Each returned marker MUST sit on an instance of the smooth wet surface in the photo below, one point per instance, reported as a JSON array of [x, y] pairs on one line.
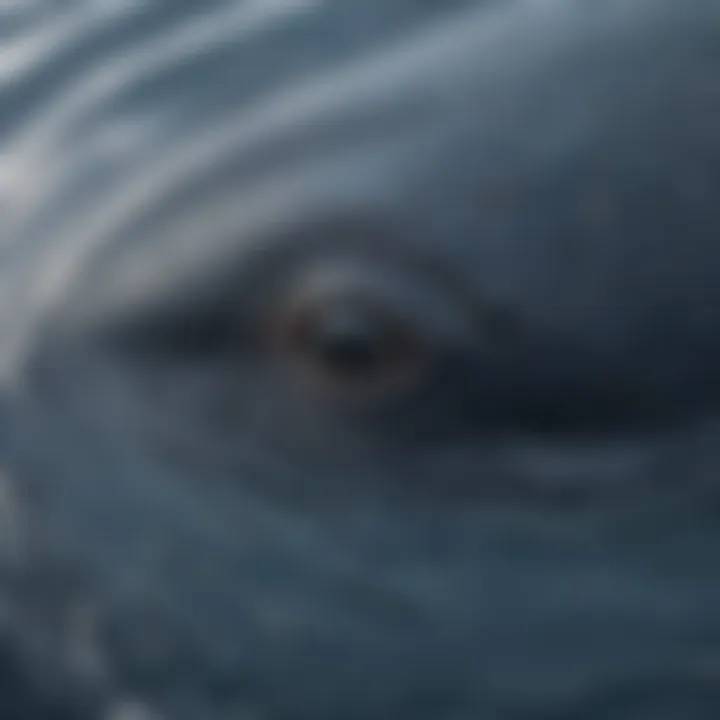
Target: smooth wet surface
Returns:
[[358, 360]]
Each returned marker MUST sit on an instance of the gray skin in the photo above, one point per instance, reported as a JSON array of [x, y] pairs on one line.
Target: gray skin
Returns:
[[513, 512]]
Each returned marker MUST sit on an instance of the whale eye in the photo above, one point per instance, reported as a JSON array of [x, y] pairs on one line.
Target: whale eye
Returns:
[[352, 332], [350, 343]]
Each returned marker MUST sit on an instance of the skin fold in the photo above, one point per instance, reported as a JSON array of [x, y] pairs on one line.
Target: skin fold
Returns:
[[504, 504]]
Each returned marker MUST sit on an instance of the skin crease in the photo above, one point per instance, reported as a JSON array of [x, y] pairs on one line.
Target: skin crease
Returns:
[[519, 521]]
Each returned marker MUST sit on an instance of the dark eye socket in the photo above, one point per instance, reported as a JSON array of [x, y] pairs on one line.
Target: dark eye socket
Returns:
[[293, 327], [344, 328]]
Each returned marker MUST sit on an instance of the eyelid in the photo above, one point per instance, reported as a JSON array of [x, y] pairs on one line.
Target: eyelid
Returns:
[[429, 309]]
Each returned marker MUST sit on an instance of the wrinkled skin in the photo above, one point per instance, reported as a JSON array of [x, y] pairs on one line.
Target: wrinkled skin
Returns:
[[521, 520]]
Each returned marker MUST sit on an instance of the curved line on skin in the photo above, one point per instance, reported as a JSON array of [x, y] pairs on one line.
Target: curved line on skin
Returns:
[[28, 54], [32, 146], [364, 84], [152, 58]]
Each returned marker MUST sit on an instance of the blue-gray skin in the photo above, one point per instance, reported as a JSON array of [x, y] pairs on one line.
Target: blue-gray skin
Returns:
[[502, 501]]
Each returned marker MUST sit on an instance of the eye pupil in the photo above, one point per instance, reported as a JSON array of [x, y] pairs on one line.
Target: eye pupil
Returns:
[[350, 342]]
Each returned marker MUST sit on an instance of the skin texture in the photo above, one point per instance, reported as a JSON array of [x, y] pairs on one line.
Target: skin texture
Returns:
[[520, 520]]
